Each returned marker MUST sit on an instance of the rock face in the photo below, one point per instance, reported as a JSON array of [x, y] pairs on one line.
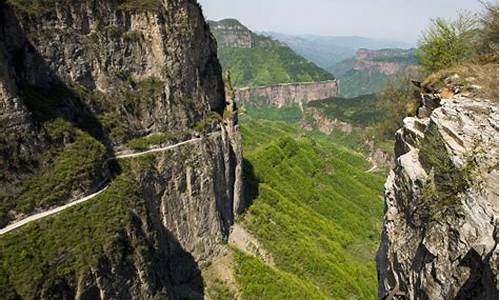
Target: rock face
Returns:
[[231, 33], [385, 61], [368, 71], [440, 234], [119, 70], [288, 94], [324, 124]]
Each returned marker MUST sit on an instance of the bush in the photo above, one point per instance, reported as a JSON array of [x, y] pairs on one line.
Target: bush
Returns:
[[446, 43], [153, 140], [489, 30]]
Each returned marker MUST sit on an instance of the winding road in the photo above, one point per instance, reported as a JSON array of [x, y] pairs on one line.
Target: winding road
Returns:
[[56, 210]]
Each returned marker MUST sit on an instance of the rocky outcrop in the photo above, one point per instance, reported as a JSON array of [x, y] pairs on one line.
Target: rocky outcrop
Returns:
[[288, 94], [116, 70], [324, 124], [440, 234], [385, 61], [230, 33]]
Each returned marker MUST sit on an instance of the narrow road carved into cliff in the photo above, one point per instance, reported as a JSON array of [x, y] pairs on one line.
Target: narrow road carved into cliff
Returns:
[[103, 186]]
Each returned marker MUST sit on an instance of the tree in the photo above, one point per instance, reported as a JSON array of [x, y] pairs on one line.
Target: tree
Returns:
[[447, 43], [489, 29]]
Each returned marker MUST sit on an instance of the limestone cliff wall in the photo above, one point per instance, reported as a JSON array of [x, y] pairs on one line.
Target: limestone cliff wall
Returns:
[[288, 94], [119, 72], [440, 234]]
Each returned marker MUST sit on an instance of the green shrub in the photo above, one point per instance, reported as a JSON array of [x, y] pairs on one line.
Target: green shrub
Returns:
[[153, 140], [447, 43], [260, 281], [203, 125], [441, 193]]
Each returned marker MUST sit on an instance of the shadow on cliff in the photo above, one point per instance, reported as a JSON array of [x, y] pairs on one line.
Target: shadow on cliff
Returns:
[[481, 281], [250, 185], [43, 93]]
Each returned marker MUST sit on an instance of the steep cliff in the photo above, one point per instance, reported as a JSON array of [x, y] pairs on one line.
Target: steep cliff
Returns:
[[440, 235], [287, 94], [78, 79]]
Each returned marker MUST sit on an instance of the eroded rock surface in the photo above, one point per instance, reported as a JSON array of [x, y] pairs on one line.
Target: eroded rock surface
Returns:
[[288, 94], [117, 70], [440, 234]]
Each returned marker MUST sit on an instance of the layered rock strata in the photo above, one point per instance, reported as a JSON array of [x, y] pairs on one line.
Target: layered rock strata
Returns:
[[440, 234], [288, 94]]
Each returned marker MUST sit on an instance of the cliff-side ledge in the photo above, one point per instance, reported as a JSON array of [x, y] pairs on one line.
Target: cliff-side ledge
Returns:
[[440, 234]]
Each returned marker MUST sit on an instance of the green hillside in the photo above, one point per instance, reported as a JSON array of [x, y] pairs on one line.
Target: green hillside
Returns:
[[256, 60], [268, 66], [317, 212], [360, 111]]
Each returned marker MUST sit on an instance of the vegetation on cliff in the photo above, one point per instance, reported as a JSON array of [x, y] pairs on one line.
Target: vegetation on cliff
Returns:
[[56, 251], [462, 53], [74, 167], [37, 7]]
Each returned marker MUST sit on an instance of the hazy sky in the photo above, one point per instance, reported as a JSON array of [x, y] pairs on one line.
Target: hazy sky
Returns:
[[388, 19]]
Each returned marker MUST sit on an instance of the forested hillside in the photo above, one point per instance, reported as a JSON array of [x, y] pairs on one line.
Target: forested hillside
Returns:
[[255, 60]]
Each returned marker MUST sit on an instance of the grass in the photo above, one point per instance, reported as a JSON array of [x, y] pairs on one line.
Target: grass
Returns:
[[467, 76], [291, 114], [362, 112], [317, 212], [260, 281]]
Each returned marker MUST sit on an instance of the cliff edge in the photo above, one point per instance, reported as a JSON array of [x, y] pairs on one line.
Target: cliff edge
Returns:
[[440, 233], [81, 81]]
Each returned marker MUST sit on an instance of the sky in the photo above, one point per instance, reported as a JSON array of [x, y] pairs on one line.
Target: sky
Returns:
[[401, 20]]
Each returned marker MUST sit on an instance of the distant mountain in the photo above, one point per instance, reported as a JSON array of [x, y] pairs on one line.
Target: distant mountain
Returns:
[[256, 60], [368, 71], [326, 51]]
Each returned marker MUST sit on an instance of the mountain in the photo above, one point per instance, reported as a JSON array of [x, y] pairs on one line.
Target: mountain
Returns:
[[82, 85], [369, 70], [326, 51], [256, 60]]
